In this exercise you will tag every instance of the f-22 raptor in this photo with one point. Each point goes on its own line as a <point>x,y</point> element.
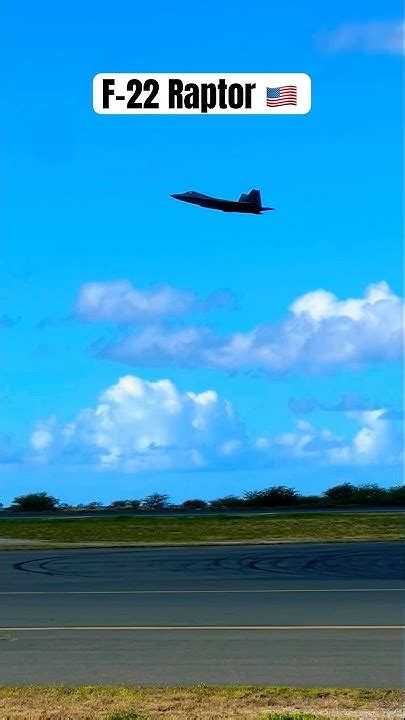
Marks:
<point>247,203</point>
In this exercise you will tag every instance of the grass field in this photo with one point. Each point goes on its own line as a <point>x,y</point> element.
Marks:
<point>197,703</point>
<point>178,530</point>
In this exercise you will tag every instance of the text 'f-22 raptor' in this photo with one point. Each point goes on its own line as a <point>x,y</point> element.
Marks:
<point>247,203</point>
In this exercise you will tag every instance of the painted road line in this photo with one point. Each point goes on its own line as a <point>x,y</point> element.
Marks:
<point>198,592</point>
<point>249,628</point>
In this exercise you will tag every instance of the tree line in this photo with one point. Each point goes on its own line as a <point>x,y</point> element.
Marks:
<point>345,494</point>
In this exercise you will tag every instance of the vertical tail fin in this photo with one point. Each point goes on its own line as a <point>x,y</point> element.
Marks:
<point>252,197</point>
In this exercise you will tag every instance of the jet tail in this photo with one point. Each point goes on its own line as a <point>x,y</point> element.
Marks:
<point>252,197</point>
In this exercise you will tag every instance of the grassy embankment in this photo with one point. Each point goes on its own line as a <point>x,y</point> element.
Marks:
<point>198,703</point>
<point>126,530</point>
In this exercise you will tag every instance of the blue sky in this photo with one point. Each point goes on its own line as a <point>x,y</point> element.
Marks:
<point>87,200</point>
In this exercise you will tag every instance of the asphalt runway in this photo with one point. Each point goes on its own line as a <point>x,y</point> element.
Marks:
<point>296,614</point>
<point>83,514</point>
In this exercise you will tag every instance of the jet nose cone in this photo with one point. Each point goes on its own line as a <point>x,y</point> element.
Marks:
<point>175,196</point>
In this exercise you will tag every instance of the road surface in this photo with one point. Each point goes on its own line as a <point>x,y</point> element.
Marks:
<point>299,614</point>
<point>7,515</point>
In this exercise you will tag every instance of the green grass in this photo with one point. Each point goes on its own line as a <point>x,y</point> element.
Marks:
<point>171,530</point>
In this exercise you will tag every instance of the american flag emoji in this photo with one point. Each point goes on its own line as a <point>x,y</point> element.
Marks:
<point>284,95</point>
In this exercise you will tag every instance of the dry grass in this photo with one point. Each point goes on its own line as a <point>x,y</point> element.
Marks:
<point>327,527</point>
<point>197,703</point>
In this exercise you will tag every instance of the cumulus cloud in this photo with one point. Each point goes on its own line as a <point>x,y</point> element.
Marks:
<point>368,37</point>
<point>119,302</point>
<point>43,436</point>
<point>375,440</point>
<point>374,443</point>
<point>320,333</point>
<point>140,425</point>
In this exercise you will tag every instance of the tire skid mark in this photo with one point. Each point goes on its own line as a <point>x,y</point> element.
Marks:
<point>372,563</point>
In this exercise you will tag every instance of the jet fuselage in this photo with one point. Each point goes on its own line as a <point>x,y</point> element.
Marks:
<point>219,204</point>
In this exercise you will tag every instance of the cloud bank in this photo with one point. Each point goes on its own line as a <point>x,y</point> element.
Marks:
<point>319,334</point>
<point>140,425</point>
<point>375,443</point>
<point>119,302</point>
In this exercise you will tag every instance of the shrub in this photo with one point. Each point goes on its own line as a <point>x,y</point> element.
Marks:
<point>368,494</point>
<point>396,495</point>
<point>124,504</point>
<point>310,500</point>
<point>227,502</point>
<point>193,504</point>
<point>342,494</point>
<point>35,502</point>
<point>156,501</point>
<point>278,495</point>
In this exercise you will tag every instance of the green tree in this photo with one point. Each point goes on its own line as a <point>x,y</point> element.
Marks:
<point>35,502</point>
<point>309,500</point>
<point>348,494</point>
<point>278,495</point>
<point>128,504</point>
<point>396,495</point>
<point>227,503</point>
<point>341,494</point>
<point>194,504</point>
<point>135,504</point>
<point>155,501</point>
<point>370,494</point>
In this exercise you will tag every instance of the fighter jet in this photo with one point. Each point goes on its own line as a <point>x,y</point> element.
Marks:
<point>247,203</point>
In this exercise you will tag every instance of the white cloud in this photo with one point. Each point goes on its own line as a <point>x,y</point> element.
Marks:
<point>377,439</point>
<point>139,425</point>
<point>375,443</point>
<point>42,437</point>
<point>369,37</point>
<point>319,333</point>
<point>119,302</point>
<point>320,304</point>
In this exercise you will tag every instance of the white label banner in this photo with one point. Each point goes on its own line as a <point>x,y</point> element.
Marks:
<point>202,93</point>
